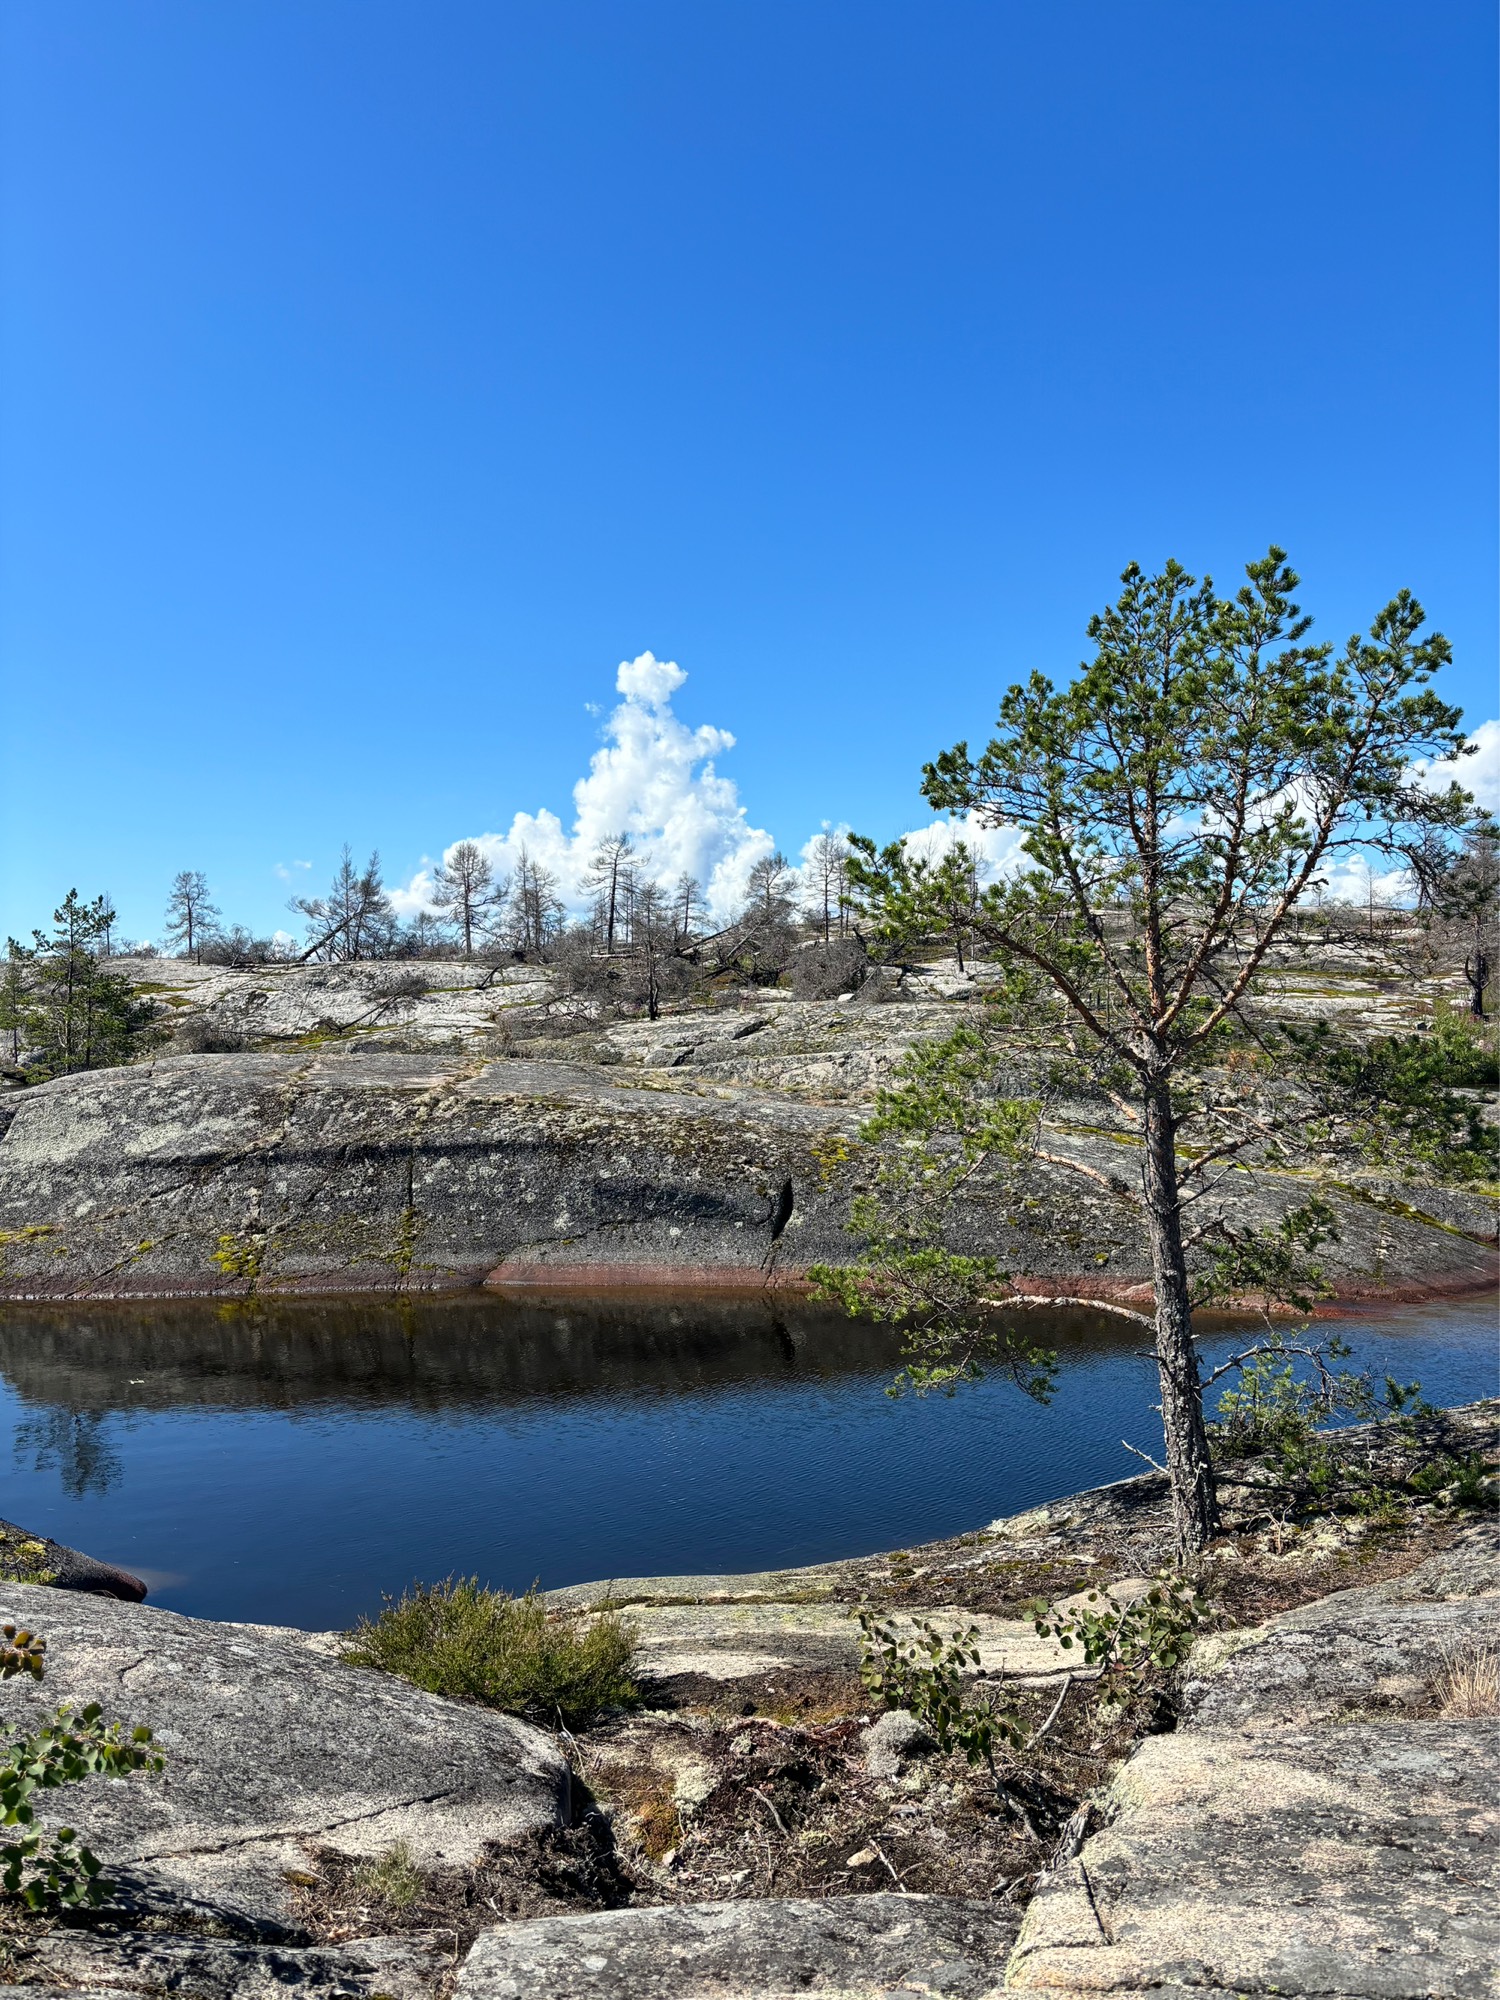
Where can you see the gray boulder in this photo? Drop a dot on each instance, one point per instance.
(273, 1749)
(1338, 1660)
(37, 1558)
(352, 1172)
(1343, 1861)
(857, 1947)
(208, 1968)
(328, 1168)
(735, 1639)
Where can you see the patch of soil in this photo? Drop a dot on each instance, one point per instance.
(1264, 1581)
(551, 1874)
(21, 1931)
(790, 1810)
(788, 1695)
(772, 1808)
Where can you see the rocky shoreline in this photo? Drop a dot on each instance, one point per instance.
(362, 1129)
(1312, 1814)
(364, 1172)
(1306, 1806)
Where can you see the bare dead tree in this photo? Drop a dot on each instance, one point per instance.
(191, 914)
(687, 905)
(828, 883)
(652, 936)
(609, 873)
(465, 888)
(354, 920)
(535, 909)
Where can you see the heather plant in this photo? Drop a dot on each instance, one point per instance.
(457, 1638)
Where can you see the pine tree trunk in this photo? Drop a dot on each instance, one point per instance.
(1195, 1507)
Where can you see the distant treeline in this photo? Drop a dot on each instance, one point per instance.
(642, 944)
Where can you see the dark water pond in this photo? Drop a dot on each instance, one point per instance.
(290, 1462)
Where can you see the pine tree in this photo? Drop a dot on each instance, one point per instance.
(13, 1001)
(1176, 800)
(76, 1016)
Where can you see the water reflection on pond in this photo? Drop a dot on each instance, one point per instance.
(287, 1462)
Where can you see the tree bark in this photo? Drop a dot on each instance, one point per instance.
(1195, 1507)
(1477, 974)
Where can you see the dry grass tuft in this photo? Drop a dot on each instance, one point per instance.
(393, 1880)
(1469, 1684)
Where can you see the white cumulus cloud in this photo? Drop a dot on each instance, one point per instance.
(1479, 773)
(653, 777)
(998, 847)
(1352, 878)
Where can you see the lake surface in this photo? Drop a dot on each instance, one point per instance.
(289, 1462)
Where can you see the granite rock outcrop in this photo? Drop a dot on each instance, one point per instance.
(379, 1152)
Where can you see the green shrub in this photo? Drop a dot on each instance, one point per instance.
(393, 1880)
(928, 1672)
(1131, 1643)
(1455, 1482)
(46, 1871)
(455, 1638)
(1272, 1409)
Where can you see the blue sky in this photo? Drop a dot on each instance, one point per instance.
(378, 377)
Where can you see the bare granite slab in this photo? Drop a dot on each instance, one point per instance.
(855, 1947)
(271, 1747)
